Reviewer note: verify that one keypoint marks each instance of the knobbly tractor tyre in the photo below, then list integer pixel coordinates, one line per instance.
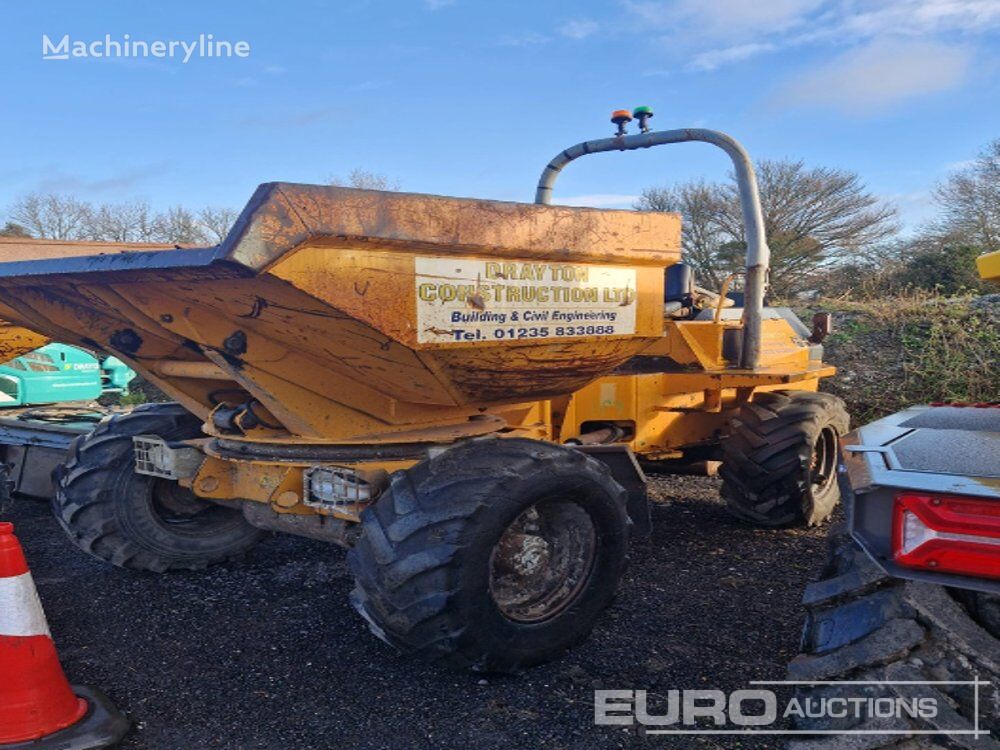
(495, 555)
(6, 487)
(863, 625)
(137, 521)
(779, 458)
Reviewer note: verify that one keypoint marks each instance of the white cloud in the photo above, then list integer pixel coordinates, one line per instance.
(579, 28)
(922, 17)
(647, 14)
(741, 17)
(709, 34)
(737, 19)
(599, 200)
(721, 18)
(717, 57)
(879, 75)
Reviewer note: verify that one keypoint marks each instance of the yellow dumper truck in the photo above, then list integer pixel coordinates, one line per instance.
(458, 390)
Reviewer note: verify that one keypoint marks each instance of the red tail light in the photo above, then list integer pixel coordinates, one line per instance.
(948, 534)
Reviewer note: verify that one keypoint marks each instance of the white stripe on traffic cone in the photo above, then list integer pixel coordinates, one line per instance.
(21, 611)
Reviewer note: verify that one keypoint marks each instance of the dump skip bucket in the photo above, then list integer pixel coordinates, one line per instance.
(347, 312)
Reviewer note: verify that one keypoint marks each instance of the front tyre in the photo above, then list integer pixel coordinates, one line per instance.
(136, 521)
(495, 555)
(779, 460)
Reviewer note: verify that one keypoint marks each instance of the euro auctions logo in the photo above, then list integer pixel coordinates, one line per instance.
(761, 710)
(125, 47)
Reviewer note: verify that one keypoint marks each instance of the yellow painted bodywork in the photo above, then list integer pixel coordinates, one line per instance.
(311, 311)
(16, 340)
(989, 266)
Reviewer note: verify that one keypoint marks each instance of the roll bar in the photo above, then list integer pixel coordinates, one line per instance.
(758, 254)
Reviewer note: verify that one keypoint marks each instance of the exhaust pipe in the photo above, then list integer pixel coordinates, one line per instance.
(758, 254)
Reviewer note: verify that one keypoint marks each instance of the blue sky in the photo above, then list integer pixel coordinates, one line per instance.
(472, 98)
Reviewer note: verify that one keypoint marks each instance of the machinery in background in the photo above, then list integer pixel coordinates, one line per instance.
(910, 594)
(59, 373)
(48, 398)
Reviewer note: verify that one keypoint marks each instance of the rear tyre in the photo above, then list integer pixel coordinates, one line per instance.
(6, 487)
(779, 460)
(864, 625)
(495, 555)
(136, 521)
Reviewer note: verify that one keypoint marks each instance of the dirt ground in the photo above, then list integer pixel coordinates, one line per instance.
(267, 653)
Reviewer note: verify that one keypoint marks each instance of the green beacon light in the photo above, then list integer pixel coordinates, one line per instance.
(643, 115)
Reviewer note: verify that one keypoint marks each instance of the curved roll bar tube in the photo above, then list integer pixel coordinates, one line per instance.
(758, 254)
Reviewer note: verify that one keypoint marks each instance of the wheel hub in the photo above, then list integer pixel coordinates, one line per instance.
(542, 561)
(523, 554)
(823, 464)
(173, 504)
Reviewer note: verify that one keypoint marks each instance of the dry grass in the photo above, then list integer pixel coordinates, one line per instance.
(895, 352)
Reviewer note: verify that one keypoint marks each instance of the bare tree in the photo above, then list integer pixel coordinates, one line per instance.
(365, 180)
(970, 202)
(216, 222)
(179, 226)
(50, 216)
(62, 217)
(121, 222)
(813, 217)
(702, 238)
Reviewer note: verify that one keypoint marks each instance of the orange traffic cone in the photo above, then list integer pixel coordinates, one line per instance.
(38, 708)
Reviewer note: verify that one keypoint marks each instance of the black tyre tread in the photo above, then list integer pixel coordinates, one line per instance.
(84, 504)
(862, 624)
(404, 563)
(6, 487)
(766, 453)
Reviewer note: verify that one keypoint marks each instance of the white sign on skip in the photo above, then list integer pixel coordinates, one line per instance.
(469, 300)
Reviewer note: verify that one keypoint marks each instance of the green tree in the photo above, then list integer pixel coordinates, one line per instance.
(947, 266)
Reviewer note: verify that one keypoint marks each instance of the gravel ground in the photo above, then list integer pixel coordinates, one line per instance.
(267, 653)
